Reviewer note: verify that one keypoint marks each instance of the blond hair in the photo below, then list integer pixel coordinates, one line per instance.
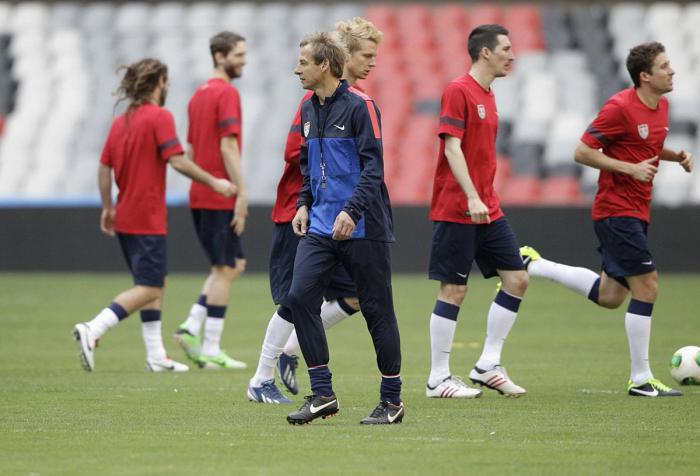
(350, 32)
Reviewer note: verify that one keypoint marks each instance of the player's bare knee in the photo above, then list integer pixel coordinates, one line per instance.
(452, 293)
(515, 283)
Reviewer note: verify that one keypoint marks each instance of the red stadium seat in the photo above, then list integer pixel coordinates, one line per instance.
(523, 16)
(520, 190)
(482, 14)
(452, 17)
(562, 191)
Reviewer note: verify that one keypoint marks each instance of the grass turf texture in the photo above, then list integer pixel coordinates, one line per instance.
(571, 356)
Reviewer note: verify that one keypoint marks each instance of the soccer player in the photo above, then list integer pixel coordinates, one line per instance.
(361, 40)
(214, 138)
(344, 215)
(625, 142)
(469, 223)
(140, 143)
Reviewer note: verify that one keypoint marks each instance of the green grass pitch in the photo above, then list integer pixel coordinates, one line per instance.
(571, 356)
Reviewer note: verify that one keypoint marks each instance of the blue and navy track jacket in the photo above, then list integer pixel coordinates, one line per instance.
(342, 165)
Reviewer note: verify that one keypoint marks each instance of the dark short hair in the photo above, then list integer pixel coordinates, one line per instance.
(641, 58)
(484, 36)
(223, 43)
(324, 47)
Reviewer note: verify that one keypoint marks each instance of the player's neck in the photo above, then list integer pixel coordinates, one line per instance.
(326, 88)
(221, 74)
(350, 79)
(649, 97)
(481, 76)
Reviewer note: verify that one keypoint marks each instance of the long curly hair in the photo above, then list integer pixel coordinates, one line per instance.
(139, 81)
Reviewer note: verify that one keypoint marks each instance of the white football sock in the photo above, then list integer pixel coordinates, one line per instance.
(442, 332)
(278, 331)
(153, 340)
(579, 280)
(638, 335)
(499, 323)
(331, 314)
(213, 328)
(103, 322)
(198, 314)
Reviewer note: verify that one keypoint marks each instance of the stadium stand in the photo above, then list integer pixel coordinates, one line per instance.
(58, 62)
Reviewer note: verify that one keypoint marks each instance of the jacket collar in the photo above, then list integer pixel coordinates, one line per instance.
(342, 89)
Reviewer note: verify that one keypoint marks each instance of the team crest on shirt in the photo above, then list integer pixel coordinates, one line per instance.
(643, 130)
(307, 128)
(481, 110)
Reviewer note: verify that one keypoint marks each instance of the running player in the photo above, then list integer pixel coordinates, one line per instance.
(625, 142)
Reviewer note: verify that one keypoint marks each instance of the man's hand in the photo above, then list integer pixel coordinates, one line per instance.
(240, 213)
(478, 212)
(107, 221)
(343, 226)
(223, 187)
(301, 221)
(645, 170)
(686, 160)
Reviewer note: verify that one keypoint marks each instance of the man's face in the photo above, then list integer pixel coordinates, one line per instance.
(234, 61)
(361, 61)
(310, 74)
(501, 58)
(661, 77)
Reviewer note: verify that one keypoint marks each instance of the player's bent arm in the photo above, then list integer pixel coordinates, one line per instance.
(643, 171)
(478, 211)
(104, 183)
(685, 159)
(191, 170)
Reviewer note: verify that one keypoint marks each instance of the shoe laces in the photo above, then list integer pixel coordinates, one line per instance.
(379, 410)
(657, 384)
(271, 389)
(458, 381)
(293, 361)
(502, 370)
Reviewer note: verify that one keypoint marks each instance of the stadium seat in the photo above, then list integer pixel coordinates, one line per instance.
(560, 191)
(520, 190)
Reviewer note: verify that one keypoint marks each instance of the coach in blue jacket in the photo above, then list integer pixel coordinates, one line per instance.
(344, 215)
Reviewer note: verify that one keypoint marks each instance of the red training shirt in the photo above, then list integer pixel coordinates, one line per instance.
(468, 112)
(626, 129)
(290, 184)
(214, 113)
(137, 148)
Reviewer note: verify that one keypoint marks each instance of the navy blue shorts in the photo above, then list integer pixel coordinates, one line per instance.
(221, 245)
(456, 246)
(282, 254)
(623, 247)
(146, 257)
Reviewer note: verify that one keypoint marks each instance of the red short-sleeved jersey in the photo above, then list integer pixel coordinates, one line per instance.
(290, 183)
(469, 113)
(214, 112)
(626, 129)
(138, 146)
